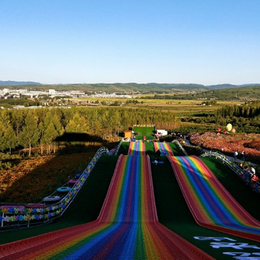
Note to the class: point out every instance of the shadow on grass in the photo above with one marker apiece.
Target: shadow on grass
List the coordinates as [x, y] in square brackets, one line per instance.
[85, 207]
[35, 182]
[46, 178]
[79, 137]
[53, 171]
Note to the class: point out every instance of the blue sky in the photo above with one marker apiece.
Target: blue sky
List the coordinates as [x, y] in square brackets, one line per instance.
[98, 41]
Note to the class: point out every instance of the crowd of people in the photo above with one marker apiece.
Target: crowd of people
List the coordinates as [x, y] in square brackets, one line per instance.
[250, 173]
[249, 170]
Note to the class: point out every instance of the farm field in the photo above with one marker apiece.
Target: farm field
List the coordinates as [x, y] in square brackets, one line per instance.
[179, 107]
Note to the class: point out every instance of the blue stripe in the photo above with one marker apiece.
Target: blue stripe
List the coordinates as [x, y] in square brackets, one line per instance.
[224, 218]
[94, 242]
[202, 195]
[125, 189]
[208, 193]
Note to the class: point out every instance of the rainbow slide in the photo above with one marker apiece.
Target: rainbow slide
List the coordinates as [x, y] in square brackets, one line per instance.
[136, 148]
[164, 148]
[127, 226]
[211, 204]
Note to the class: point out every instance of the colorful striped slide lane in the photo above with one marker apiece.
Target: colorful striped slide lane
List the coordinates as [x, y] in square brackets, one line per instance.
[163, 147]
[127, 226]
[210, 203]
[136, 148]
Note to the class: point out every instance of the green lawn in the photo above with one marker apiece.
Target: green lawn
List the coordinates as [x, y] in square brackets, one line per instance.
[149, 148]
[124, 148]
[176, 149]
[146, 131]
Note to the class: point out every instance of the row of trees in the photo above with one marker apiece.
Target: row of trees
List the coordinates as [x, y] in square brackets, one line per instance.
[9, 103]
[245, 118]
[41, 127]
[247, 110]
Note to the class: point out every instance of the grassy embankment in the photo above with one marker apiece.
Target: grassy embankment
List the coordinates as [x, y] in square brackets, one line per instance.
[85, 207]
[172, 209]
[31, 179]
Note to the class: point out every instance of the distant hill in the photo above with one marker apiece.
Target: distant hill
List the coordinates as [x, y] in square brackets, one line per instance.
[17, 83]
[111, 87]
[229, 86]
[122, 88]
[239, 93]
[224, 86]
[133, 87]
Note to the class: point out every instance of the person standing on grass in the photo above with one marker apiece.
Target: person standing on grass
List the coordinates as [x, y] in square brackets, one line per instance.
[243, 158]
[235, 155]
[254, 177]
[247, 174]
[252, 171]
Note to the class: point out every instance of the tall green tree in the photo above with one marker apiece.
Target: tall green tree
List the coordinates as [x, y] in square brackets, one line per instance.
[77, 124]
[10, 138]
[30, 134]
[17, 119]
[49, 136]
[3, 145]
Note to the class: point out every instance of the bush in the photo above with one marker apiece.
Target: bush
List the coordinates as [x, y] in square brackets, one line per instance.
[193, 150]
[5, 165]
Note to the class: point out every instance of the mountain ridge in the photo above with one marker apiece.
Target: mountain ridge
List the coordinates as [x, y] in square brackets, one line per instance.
[17, 83]
[125, 87]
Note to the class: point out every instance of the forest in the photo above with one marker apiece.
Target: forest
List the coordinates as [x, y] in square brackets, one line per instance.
[245, 118]
[41, 127]
[56, 142]
[241, 93]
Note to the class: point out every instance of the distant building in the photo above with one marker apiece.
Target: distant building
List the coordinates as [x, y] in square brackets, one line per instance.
[161, 132]
[5, 91]
[52, 91]
[128, 134]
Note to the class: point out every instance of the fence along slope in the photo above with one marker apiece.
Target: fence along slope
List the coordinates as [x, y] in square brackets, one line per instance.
[26, 216]
[210, 203]
[127, 226]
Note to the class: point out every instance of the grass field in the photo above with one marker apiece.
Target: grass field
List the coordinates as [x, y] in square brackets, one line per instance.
[179, 107]
[142, 131]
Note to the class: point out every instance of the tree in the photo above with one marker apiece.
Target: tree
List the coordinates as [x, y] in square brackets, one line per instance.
[49, 135]
[51, 119]
[2, 136]
[7, 134]
[77, 124]
[30, 134]
[10, 138]
[17, 119]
